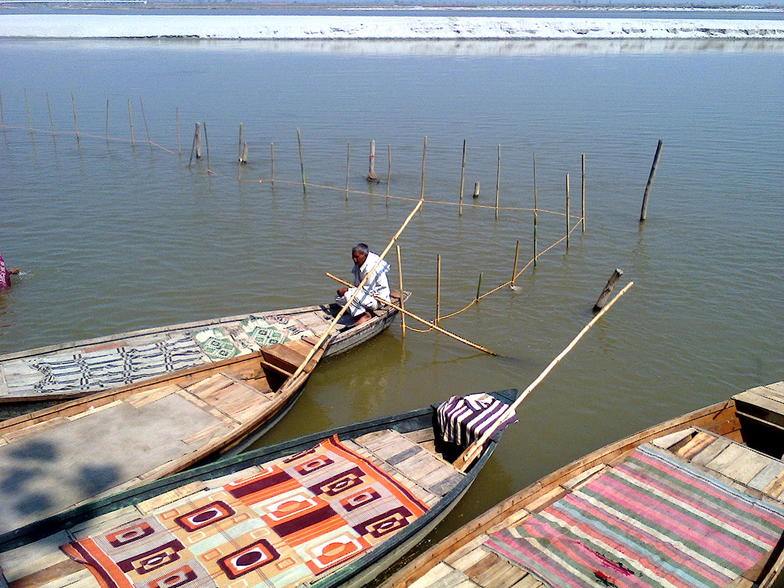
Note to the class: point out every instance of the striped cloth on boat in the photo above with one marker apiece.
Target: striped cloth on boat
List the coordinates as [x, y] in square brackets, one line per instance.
[463, 419]
[650, 521]
[93, 370]
[287, 523]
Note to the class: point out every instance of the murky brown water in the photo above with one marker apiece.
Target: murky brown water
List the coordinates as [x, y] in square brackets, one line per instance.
[113, 237]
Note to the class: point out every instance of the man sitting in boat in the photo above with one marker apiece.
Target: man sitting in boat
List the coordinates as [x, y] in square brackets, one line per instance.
[365, 262]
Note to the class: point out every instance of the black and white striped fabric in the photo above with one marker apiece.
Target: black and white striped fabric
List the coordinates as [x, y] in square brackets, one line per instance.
[464, 419]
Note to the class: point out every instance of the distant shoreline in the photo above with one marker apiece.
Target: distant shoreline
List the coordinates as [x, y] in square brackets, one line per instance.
[276, 27]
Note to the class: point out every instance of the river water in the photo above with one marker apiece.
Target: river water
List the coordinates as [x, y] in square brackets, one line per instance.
[113, 236]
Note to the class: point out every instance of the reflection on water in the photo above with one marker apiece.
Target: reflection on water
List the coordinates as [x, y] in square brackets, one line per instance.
[114, 236]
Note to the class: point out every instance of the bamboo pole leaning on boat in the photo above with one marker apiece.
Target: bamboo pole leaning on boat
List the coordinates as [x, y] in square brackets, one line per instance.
[402, 310]
[475, 449]
[362, 282]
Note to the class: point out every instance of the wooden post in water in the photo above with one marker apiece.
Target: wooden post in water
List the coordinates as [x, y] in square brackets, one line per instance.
[438, 289]
[348, 164]
[602, 300]
[649, 185]
[389, 175]
[400, 288]
[272, 164]
[477, 188]
[302, 163]
[583, 181]
[242, 147]
[177, 121]
[422, 175]
[130, 122]
[514, 265]
[51, 119]
[372, 178]
[462, 179]
[497, 181]
[75, 118]
[566, 188]
[536, 211]
[207, 147]
[106, 125]
[196, 145]
[146, 126]
[478, 287]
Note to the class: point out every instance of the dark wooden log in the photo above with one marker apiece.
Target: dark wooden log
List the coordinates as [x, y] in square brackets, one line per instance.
[602, 300]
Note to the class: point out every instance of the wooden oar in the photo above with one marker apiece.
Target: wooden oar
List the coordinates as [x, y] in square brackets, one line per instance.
[357, 290]
[474, 450]
[420, 319]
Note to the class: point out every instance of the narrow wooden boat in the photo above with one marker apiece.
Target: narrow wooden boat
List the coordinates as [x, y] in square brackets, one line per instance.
[79, 368]
[695, 501]
[58, 457]
[329, 509]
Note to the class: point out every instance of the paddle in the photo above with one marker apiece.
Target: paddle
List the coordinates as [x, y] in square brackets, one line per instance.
[421, 320]
[357, 291]
[474, 450]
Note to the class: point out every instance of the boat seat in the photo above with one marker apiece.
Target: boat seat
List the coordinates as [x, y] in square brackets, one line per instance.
[761, 412]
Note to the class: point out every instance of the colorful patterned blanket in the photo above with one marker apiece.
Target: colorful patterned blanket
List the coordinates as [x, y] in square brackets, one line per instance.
[293, 521]
[650, 521]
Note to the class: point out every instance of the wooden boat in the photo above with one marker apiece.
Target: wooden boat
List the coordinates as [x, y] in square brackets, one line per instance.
[76, 369]
[57, 457]
[695, 501]
[329, 509]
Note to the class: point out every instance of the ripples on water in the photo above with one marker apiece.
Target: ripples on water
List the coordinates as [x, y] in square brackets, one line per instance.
[114, 237]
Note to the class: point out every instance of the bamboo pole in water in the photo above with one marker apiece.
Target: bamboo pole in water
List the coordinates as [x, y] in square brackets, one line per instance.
[536, 213]
[272, 164]
[566, 206]
[302, 163]
[146, 126]
[422, 175]
[583, 182]
[27, 112]
[389, 173]
[75, 118]
[438, 289]
[51, 120]
[514, 265]
[372, 177]
[400, 289]
[497, 181]
[462, 179]
[106, 125]
[357, 290]
[423, 321]
[177, 121]
[207, 147]
[472, 452]
[348, 164]
[478, 287]
[649, 185]
[130, 122]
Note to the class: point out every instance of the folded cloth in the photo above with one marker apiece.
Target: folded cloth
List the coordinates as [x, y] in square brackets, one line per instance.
[464, 419]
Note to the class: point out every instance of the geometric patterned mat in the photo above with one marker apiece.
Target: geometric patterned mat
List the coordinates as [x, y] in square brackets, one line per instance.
[292, 521]
[650, 521]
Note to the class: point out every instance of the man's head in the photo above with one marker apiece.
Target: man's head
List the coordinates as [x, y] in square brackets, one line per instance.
[359, 253]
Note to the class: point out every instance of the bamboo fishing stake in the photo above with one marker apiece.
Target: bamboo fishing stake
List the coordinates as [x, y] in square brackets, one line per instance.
[76, 121]
[302, 163]
[27, 111]
[462, 180]
[146, 126]
[497, 181]
[478, 288]
[583, 180]
[130, 122]
[357, 290]
[649, 185]
[389, 173]
[472, 451]
[514, 265]
[566, 187]
[207, 147]
[196, 145]
[51, 119]
[536, 215]
[106, 125]
[372, 177]
[177, 121]
[423, 321]
[400, 289]
[272, 164]
[348, 163]
[438, 289]
[422, 176]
